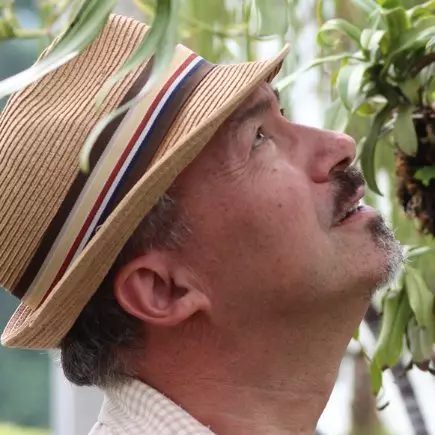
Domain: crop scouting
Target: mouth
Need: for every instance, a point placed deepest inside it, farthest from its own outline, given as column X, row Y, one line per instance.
column 351, row 208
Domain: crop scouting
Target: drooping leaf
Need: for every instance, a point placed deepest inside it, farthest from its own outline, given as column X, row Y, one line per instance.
column 425, row 9
column 416, row 251
column 373, row 41
column 404, row 131
column 421, row 299
column 425, row 174
column 349, row 81
column 86, row 26
column 336, row 116
column 368, row 6
column 411, row 88
column 375, row 377
column 145, row 48
column 367, row 157
column 340, row 26
column 371, row 106
column 396, row 312
column 164, row 50
column 273, row 20
column 412, row 39
column 288, row 80
column 397, row 21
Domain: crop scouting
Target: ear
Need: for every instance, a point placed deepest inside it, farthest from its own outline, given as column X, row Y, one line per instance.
column 159, row 291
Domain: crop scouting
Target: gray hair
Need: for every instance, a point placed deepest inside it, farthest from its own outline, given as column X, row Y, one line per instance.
column 95, row 350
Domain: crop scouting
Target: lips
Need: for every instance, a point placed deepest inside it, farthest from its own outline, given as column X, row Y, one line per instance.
column 350, row 206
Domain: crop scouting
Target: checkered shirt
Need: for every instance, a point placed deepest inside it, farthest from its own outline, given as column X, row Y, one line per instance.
column 138, row 409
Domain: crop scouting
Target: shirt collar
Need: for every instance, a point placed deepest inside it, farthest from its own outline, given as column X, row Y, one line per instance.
column 135, row 408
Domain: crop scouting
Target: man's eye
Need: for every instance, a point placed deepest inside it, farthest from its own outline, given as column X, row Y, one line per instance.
column 260, row 138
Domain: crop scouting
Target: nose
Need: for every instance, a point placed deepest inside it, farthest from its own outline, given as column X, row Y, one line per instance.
column 330, row 152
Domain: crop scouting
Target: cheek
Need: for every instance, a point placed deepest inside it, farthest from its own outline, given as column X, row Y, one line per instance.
column 256, row 228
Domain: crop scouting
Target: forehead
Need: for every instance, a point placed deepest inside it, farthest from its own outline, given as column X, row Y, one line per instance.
column 263, row 91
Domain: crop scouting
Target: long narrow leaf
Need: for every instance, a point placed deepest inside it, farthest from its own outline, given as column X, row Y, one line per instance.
column 288, row 80
column 145, row 49
column 337, row 25
column 336, row 116
column 163, row 54
column 420, row 297
column 349, row 81
column 418, row 36
column 368, row 6
column 367, row 156
column 397, row 22
column 404, row 131
column 425, row 9
column 85, row 28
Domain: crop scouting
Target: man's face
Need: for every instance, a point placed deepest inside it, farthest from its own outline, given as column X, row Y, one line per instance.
column 264, row 200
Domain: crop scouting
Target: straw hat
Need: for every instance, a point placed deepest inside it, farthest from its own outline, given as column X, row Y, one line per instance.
column 61, row 229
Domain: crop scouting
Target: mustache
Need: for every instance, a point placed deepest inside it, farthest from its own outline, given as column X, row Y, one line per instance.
column 345, row 185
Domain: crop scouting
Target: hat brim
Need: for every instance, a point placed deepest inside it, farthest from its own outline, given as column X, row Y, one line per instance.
column 45, row 326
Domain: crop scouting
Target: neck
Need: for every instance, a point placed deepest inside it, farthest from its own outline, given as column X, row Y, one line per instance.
column 275, row 384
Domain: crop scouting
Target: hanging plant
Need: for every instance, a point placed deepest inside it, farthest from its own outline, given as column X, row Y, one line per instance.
column 389, row 78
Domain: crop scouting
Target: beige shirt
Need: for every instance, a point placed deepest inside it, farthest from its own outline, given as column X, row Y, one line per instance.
column 138, row 409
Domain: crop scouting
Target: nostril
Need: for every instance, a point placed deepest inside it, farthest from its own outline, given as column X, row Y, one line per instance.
column 342, row 165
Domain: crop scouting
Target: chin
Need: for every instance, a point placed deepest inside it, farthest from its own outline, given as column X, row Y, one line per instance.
column 387, row 253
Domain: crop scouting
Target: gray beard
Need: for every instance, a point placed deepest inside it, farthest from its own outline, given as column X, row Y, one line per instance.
column 385, row 239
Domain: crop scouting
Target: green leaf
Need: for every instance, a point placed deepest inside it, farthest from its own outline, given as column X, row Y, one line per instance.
column 145, row 48
column 373, row 41
column 404, row 131
column 371, row 106
column 420, row 297
column 425, row 9
column 368, row 6
column 425, row 174
column 397, row 22
column 337, row 25
column 273, row 21
column 416, row 251
column 411, row 88
column 389, row 4
column 420, row 341
column 368, row 149
column 375, row 377
column 412, row 39
column 164, row 49
column 82, row 31
column 336, row 116
column 355, row 334
column 396, row 312
column 349, row 82
column 288, row 80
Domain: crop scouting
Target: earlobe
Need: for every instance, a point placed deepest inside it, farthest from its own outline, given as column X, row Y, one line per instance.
column 159, row 294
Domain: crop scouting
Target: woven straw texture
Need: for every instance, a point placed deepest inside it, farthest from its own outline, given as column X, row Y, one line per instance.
column 42, row 131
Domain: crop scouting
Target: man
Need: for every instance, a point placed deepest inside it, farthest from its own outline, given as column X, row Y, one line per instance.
column 210, row 269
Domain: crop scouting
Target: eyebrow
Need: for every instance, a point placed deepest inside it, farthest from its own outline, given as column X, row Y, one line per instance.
column 257, row 109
